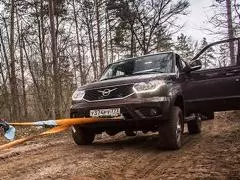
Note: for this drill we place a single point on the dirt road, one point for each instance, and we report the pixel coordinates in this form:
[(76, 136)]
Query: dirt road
[(214, 154)]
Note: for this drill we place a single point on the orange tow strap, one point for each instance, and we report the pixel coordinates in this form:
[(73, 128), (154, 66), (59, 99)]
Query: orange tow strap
[(60, 125), (23, 140), (67, 122)]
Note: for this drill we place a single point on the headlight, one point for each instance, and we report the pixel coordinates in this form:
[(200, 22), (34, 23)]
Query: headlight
[(148, 87), (78, 95)]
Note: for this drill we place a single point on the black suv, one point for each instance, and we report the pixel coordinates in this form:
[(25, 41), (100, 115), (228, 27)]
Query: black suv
[(158, 93)]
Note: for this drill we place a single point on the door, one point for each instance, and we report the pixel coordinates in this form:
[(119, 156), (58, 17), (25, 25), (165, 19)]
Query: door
[(213, 89)]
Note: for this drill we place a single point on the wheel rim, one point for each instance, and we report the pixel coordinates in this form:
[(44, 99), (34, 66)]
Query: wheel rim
[(199, 122), (178, 129)]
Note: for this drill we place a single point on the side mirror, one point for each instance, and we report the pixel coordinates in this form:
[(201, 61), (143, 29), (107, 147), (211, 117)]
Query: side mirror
[(94, 80), (193, 66)]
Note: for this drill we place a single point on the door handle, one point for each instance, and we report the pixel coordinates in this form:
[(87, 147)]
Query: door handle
[(229, 74)]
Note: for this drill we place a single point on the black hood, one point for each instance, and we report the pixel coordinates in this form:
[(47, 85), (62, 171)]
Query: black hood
[(129, 80)]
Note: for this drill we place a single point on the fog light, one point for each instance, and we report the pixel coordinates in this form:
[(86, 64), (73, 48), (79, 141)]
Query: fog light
[(153, 112), (149, 112)]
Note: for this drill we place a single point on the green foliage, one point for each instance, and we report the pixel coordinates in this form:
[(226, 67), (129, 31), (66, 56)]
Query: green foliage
[(208, 57), (184, 47), (148, 23)]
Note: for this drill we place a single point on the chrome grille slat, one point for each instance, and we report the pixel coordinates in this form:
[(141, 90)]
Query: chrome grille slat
[(120, 92)]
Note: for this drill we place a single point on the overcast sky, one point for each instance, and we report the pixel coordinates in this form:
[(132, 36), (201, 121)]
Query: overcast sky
[(199, 11)]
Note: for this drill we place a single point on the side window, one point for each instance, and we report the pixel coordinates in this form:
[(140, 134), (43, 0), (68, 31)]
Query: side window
[(119, 73), (219, 56), (180, 64), (184, 64)]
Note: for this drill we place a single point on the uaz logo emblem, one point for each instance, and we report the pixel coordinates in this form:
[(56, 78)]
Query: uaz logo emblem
[(106, 92)]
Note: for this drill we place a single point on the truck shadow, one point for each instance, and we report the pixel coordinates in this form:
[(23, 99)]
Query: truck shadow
[(142, 142)]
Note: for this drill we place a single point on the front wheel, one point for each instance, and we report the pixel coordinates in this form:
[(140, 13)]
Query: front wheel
[(82, 136), (170, 133)]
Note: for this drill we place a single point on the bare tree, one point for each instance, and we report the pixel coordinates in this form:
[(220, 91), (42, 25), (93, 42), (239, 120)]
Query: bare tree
[(81, 63), (230, 30), (99, 36), (13, 79), (20, 43), (145, 18), (56, 82), (47, 46)]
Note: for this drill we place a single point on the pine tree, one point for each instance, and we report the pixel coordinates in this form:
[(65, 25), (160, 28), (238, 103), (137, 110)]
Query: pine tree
[(208, 59), (147, 22), (183, 47), (223, 57), (225, 22)]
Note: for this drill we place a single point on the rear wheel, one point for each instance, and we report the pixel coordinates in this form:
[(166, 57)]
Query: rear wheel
[(130, 133), (194, 126), (170, 133), (82, 136), (207, 116)]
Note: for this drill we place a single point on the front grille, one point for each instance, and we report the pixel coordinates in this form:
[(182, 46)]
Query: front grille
[(79, 114), (115, 92)]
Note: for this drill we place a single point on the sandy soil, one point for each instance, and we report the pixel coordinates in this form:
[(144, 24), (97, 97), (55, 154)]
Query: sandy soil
[(213, 154)]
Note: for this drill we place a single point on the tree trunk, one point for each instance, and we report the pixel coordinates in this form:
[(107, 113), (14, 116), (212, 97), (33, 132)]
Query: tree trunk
[(106, 37), (230, 30), (110, 36), (13, 79), (133, 46), (42, 45), (24, 98), (5, 54), (7, 95), (94, 46), (82, 74), (5, 91), (99, 37), (36, 85), (56, 83), (83, 59), (91, 43), (6, 28)]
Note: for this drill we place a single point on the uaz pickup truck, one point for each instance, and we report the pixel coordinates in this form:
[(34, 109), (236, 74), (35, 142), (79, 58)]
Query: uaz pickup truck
[(158, 93)]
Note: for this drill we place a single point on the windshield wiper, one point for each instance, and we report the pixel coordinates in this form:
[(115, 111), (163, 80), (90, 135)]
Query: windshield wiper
[(148, 72), (114, 77), (136, 73)]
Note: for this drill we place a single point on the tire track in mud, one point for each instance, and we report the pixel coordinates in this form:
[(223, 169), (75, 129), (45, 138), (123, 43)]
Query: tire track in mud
[(150, 160)]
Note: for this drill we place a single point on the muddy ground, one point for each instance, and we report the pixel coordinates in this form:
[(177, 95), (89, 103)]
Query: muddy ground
[(213, 154)]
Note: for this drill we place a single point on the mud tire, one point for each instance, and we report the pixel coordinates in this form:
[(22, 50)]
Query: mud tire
[(170, 133), (194, 126), (82, 136)]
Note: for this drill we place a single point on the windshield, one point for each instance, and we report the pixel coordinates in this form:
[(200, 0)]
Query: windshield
[(160, 63)]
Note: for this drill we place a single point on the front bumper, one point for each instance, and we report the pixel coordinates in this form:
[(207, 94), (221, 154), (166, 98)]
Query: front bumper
[(132, 109)]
